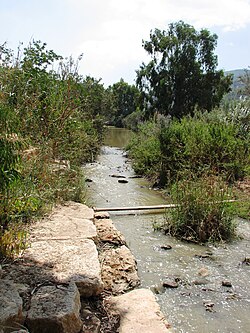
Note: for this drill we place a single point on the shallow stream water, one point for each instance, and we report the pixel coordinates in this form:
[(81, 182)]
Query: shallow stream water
[(200, 304)]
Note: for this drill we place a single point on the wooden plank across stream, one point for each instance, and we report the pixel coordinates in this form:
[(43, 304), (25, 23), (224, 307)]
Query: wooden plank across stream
[(168, 206), (112, 209)]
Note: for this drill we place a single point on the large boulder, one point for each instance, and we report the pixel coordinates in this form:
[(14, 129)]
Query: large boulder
[(55, 309), (11, 314), (70, 221), (62, 247), (74, 209)]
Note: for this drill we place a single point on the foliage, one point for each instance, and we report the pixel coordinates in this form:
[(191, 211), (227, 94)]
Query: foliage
[(182, 72), (48, 102), (198, 146), (202, 214), (242, 194), (245, 83), (144, 149), (13, 241), (171, 150), (133, 120), (238, 115), (50, 123), (125, 101)]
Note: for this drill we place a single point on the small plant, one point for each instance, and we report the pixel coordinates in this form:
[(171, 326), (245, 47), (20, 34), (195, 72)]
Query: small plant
[(202, 214), (13, 240)]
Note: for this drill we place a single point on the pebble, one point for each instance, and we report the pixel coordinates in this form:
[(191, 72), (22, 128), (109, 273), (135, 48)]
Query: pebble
[(201, 281)]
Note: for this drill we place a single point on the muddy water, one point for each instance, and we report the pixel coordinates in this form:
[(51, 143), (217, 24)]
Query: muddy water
[(200, 303)]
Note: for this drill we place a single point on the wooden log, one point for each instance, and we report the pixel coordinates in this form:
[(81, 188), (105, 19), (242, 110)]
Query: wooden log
[(168, 206)]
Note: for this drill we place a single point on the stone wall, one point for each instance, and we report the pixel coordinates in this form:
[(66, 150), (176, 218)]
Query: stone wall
[(76, 262)]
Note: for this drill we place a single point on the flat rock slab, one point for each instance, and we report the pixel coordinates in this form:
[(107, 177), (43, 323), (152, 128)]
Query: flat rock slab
[(62, 246), (69, 261), (71, 221), (75, 209), (62, 227), (55, 309), (119, 270), (11, 315), (139, 312), (107, 232)]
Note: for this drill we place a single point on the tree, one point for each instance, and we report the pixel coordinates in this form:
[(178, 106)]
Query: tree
[(182, 72), (245, 83), (125, 101)]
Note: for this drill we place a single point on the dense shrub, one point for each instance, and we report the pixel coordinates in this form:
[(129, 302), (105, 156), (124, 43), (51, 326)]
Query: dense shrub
[(144, 149), (199, 145)]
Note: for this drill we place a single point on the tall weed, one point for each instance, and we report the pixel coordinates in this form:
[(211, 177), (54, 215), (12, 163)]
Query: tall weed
[(202, 213)]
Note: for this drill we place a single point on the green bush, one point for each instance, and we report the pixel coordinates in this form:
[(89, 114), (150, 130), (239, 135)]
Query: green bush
[(177, 149), (198, 146), (144, 149), (202, 213), (48, 117)]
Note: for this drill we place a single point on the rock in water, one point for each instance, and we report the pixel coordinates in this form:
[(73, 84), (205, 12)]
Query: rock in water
[(101, 215), (166, 247), (122, 181), (203, 272), (170, 284), (226, 284), (139, 312)]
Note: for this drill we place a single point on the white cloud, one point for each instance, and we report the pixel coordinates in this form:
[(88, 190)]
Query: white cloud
[(230, 14), (118, 26)]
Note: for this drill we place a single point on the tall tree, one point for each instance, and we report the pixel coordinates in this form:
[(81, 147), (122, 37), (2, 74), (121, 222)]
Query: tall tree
[(125, 100), (182, 72)]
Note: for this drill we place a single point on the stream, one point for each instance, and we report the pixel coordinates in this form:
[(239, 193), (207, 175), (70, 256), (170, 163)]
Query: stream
[(201, 303)]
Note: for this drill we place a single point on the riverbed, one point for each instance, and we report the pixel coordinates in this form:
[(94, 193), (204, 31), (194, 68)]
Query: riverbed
[(200, 303)]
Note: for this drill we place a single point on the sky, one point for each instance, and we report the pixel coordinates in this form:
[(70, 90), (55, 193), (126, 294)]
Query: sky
[(109, 33)]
